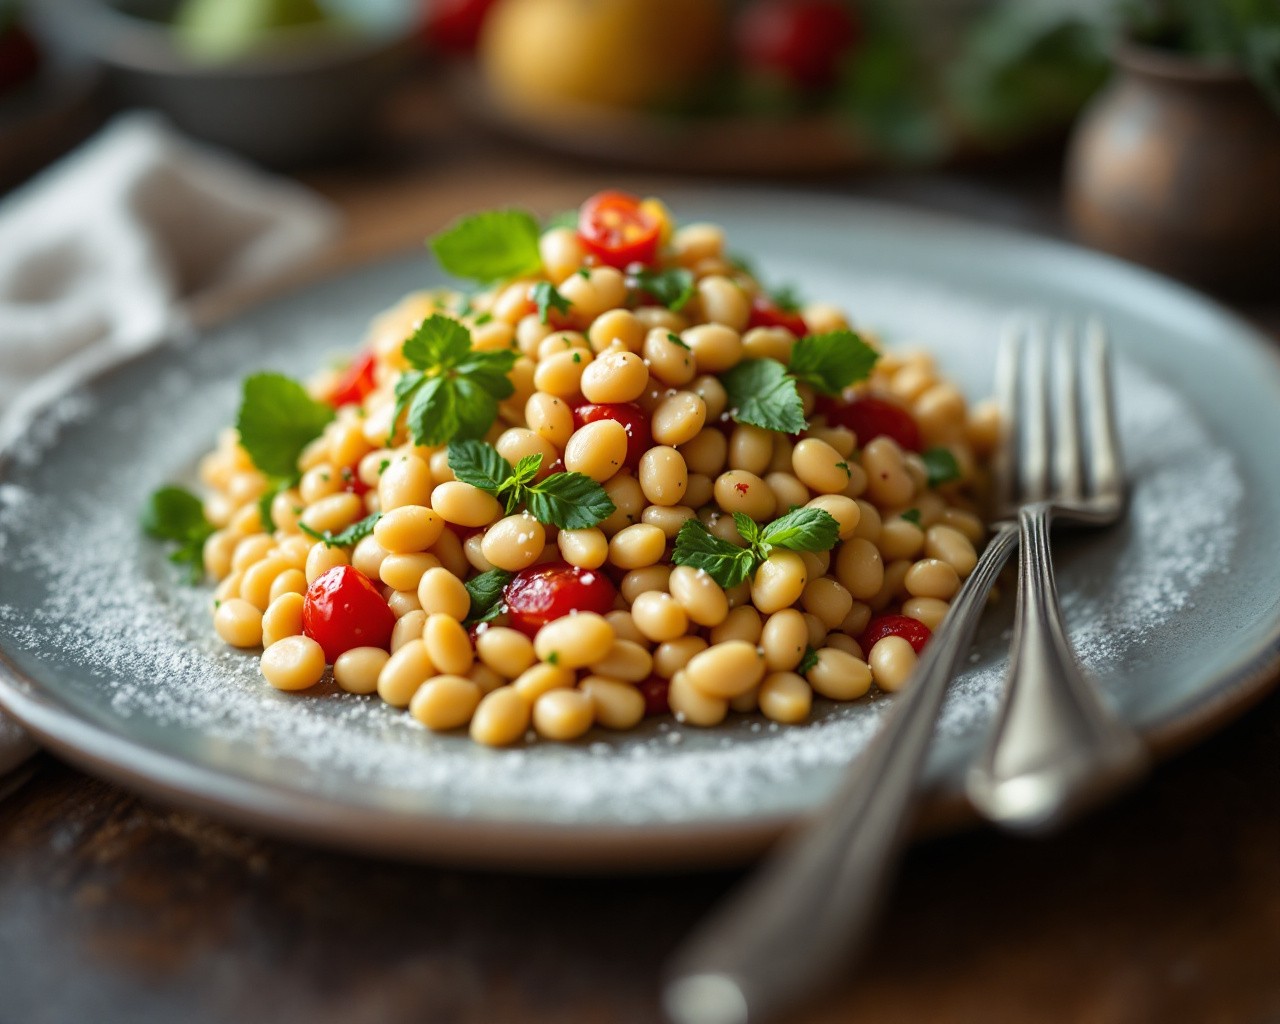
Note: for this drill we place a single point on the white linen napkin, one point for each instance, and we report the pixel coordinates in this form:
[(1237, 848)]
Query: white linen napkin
[(99, 253)]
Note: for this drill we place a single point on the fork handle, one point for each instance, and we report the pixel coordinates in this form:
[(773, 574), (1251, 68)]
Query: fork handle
[(1055, 747), (801, 917)]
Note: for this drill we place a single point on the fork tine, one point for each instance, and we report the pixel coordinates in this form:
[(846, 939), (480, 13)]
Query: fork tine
[(1106, 469), (1033, 473), (1008, 376), (1067, 474)]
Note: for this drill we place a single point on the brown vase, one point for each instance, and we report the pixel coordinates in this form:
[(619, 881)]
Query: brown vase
[(1176, 164)]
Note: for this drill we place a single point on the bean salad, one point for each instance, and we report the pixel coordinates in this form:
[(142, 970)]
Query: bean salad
[(619, 478)]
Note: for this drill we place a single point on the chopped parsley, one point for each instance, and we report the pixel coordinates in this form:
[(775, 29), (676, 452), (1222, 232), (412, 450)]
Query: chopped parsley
[(547, 298), (349, 537), (672, 287)]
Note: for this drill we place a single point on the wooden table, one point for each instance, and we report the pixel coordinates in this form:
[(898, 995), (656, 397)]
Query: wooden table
[(1164, 907)]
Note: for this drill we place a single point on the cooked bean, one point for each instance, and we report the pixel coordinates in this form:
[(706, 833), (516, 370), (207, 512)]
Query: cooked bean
[(587, 549), (740, 491), (892, 661), (667, 518), (616, 326), (561, 374), (440, 590), (750, 448), (563, 714), (785, 697), (932, 577), (673, 655), (726, 669), (779, 581), (518, 443), (820, 467), (238, 623), (357, 670), (706, 452), (406, 670), (550, 418), (409, 626), (637, 546), (514, 543), (640, 581), (615, 705), (597, 449), (464, 505), (294, 663), (663, 476), (839, 674), (951, 546), (448, 645), (445, 702), (406, 481), (716, 346), (929, 610), (900, 538), (723, 302), (574, 641), (859, 568), (828, 600), (538, 679), (678, 418), (626, 660), (784, 639), (500, 718), (691, 705), (742, 623), (888, 481), (615, 375), (282, 618), (659, 616)]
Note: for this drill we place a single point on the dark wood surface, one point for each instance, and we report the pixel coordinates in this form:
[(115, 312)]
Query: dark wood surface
[(1164, 907)]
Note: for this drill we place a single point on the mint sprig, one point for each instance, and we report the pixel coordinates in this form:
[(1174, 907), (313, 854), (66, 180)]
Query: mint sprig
[(489, 246), (452, 390), (546, 298), (672, 287), (486, 592), (801, 529), (571, 501), (175, 514), (349, 537), (763, 392), (277, 420), (830, 362)]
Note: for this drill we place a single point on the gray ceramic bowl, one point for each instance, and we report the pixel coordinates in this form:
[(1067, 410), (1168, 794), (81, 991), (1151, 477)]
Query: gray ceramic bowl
[(307, 96)]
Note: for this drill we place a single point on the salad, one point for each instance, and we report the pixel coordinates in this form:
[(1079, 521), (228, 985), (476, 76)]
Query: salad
[(622, 478)]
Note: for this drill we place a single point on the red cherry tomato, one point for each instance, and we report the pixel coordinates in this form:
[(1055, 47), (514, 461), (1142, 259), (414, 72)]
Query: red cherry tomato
[(454, 25), (356, 383), (655, 690), (767, 313), (617, 230), (343, 609), (545, 592), (870, 417), (352, 484), (633, 420), (799, 41), (913, 631)]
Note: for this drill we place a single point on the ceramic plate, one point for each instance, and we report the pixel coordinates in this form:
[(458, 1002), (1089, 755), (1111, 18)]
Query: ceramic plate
[(111, 661)]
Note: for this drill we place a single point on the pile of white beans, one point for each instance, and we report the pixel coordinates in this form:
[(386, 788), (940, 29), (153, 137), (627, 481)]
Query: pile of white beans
[(721, 651)]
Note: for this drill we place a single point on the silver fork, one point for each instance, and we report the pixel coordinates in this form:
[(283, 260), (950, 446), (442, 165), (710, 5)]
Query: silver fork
[(1056, 747), (805, 913)]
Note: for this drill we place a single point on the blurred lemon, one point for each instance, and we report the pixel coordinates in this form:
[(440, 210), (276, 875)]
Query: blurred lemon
[(628, 53)]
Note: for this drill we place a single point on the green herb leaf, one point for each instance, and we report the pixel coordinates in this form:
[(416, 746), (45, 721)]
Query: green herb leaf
[(175, 514), (912, 516), (803, 529), (831, 362), (699, 548), (547, 298), (438, 342), (763, 394), (675, 339), (527, 468), (489, 246), (786, 298), (808, 661), (277, 420), (748, 529), (480, 465), (486, 592), (941, 466), (563, 219), (349, 537), (452, 391), (571, 501), (672, 287)]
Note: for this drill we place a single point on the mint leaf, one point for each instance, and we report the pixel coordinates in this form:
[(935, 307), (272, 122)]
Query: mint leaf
[(941, 466), (547, 298), (175, 514), (489, 246), (571, 501), (439, 341), (349, 537), (699, 548), (748, 529), (277, 420), (563, 219), (480, 465), (672, 287), (433, 413), (830, 362), (912, 516), (527, 468), (406, 386), (486, 592), (761, 393), (803, 529)]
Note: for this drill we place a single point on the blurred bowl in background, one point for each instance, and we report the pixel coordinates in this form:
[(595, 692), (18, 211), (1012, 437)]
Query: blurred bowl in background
[(307, 94)]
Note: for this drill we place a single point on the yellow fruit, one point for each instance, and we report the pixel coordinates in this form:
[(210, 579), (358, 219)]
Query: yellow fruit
[(629, 53)]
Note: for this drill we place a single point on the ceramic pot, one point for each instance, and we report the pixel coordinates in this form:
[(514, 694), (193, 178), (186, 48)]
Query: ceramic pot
[(1176, 164)]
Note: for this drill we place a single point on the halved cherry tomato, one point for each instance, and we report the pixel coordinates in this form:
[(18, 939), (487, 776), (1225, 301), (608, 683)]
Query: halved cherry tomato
[(654, 690), (343, 609), (870, 417), (351, 482), (767, 313), (913, 631), (799, 41), (617, 230), (356, 383), (545, 592), (633, 420), (454, 25)]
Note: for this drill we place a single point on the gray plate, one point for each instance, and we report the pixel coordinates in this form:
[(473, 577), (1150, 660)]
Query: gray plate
[(112, 662)]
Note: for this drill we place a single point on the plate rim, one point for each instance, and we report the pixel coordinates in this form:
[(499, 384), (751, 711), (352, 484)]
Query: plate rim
[(558, 847)]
